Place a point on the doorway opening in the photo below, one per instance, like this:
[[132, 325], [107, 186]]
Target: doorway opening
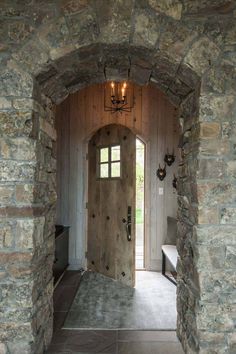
[[140, 206]]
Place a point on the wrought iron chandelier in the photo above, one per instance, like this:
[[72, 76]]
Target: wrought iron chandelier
[[118, 97]]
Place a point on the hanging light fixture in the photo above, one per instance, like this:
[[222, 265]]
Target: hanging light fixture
[[118, 97]]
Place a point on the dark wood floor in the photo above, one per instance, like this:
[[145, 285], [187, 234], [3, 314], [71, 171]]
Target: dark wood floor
[[109, 342]]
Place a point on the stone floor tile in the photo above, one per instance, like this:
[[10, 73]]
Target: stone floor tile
[[149, 348], [147, 336], [63, 298], [71, 278], [91, 341], [58, 320]]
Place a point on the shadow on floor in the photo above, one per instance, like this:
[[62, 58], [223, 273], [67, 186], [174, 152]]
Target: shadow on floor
[[102, 341]]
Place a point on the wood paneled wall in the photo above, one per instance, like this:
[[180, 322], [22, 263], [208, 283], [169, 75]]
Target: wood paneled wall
[[154, 120]]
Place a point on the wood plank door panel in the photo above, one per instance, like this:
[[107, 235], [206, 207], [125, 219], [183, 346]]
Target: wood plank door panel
[[109, 251]]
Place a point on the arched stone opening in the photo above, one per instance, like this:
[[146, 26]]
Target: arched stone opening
[[191, 69]]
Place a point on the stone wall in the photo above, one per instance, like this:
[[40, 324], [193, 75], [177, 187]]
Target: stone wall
[[51, 48], [27, 212]]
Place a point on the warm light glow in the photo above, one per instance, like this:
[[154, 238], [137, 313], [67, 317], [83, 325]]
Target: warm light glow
[[118, 100], [112, 89], [124, 89]]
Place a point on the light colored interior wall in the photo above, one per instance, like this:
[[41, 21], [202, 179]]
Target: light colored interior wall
[[155, 121]]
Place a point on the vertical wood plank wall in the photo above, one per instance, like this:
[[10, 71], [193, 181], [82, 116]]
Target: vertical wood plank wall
[[155, 121]]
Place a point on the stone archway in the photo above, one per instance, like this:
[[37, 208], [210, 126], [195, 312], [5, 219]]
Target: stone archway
[[70, 45]]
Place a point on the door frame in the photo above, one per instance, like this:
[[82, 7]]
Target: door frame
[[146, 194], [146, 206]]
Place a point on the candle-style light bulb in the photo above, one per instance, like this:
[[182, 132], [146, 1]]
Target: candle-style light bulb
[[112, 88], [123, 91]]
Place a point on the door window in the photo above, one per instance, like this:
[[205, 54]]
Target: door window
[[109, 162]]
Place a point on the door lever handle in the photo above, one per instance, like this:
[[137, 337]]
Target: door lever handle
[[129, 223], [128, 230]]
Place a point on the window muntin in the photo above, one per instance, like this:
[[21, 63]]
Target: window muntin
[[109, 164]]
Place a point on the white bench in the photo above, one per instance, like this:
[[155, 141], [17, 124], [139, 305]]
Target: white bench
[[170, 252]]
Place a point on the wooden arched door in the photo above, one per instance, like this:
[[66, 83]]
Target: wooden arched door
[[111, 203]]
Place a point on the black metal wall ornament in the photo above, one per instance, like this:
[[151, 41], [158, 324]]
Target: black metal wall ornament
[[169, 158], [174, 182], [161, 172]]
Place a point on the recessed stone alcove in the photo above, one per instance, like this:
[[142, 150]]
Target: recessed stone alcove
[[51, 49]]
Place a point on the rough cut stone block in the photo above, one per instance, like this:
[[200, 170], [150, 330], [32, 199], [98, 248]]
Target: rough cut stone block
[[116, 74], [211, 168], [217, 234], [217, 108], [31, 193], [212, 257], [6, 235], [208, 215], [172, 8], [228, 215], [6, 194], [73, 6], [83, 28], [213, 147], [15, 258], [18, 31], [210, 130], [230, 38], [232, 342], [220, 79], [14, 295], [216, 317], [230, 261], [20, 347], [13, 171], [175, 39], [55, 34], [3, 348], [19, 271], [27, 56], [18, 149], [201, 54], [214, 193], [18, 331], [146, 29], [25, 193], [15, 83], [48, 129], [140, 75], [212, 339], [231, 168], [16, 124], [5, 103], [114, 20], [27, 104], [29, 233]]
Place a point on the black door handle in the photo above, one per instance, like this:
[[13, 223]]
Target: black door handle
[[128, 231], [129, 223]]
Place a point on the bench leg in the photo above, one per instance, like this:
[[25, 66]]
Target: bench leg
[[163, 264], [163, 270]]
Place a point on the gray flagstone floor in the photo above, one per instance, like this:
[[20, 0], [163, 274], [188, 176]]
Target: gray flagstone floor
[[102, 341]]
